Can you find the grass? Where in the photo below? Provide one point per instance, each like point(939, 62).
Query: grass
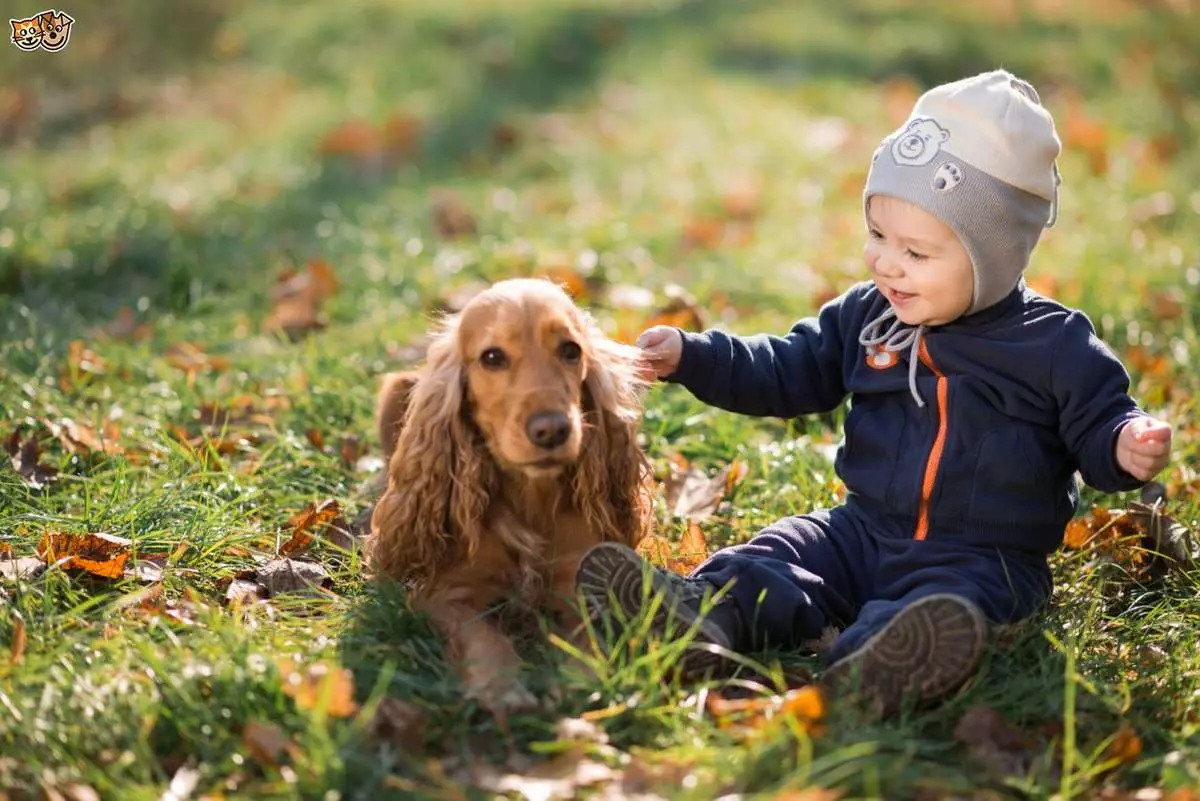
point(168, 162)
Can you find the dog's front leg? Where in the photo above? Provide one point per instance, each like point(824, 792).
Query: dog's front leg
point(485, 658)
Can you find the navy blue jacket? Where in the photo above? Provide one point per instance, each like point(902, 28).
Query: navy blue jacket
point(1018, 397)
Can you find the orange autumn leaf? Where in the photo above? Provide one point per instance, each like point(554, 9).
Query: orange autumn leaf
point(654, 549)
point(401, 133)
point(692, 550)
point(315, 436)
point(83, 439)
point(191, 358)
point(1087, 135)
point(449, 214)
point(806, 705)
point(25, 456)
point(265, 742)
point(1043, 284)
point(82, 361)
point(1167, 304)
point(100, 554)
point(703, 232)
point(1140, 360)
point(354, 137)
point(297, 298)
point(309, 523)
point(352, 449)
point(1126, 745)
point(126, 327)
point(319, 687)
point(571, 281)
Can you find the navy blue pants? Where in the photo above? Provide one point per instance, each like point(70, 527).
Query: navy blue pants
point(843, 569)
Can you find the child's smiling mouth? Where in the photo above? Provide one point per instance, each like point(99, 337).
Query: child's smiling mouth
point(899, 298)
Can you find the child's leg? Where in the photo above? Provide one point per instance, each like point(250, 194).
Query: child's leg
point(784, 587)
point(926, 628)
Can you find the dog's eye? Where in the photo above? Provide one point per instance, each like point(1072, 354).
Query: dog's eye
point(494, 358)
point(570, 352)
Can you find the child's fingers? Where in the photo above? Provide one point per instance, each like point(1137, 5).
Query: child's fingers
point(1153, 448)
point(1149, 430)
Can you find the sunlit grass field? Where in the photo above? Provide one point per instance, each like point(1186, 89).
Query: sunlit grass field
point(173, 174)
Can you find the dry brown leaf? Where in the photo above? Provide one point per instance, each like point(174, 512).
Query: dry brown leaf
point(1141, 361)
point(352, 449)
point(691, 494)
point(1167, 304)
point(265, 742)
point(1125, 747)
point(242, 592)
point(993, 742)
point(240, 410)
point(191, 359)
point(319, 687)
point(449, 213)
point(20, 567)
point(297, 298)
point(81, 362)
point(560, 777)
point(100, 554)
point(292, 575)
point(126, 328)
point(1088, 135)
point(355, 137)
point(747, 715)
point(84, 439)
point(401, 723)
point(312, 522)
point(25, 456)
point(16, 649)
point(808, 794)
point(314, 436)
point(703, 232)
point(654, 549)
point(401, 133)
point(692, 551)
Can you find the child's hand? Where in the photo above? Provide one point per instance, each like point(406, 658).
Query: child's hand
point(662, 348)
point(1143, 447)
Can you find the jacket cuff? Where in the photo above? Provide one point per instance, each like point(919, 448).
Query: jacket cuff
point(1105, 472)
point(695, 361)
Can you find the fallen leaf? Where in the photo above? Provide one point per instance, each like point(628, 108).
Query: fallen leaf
point(352, 449)
point(21, 567)
point(449, 213)
point(81, 362)
point(126, 328)
point(319, 687)
point(561, 777)
point(25, 457)
point(703, 232)
point(1167, 304)
point(16, 648)
point(265, 742)
point(401, 133)
point(995, 744)
point(314, 436)
point(654, 549)
point(692, 551)
point(242, 592)
point(1125, 747)
point(313, 521)
point(100, 554)
point(355, 137)
point(147, 568)
point(83, 439)
point(806, 705)
point(191, 359)
point(808, 794)
point(401, 723)
point(292, 575)
point(1087, 135)
point(297, 298)
point(691, 494)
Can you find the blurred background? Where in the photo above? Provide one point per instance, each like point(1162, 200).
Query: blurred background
point(177, 158)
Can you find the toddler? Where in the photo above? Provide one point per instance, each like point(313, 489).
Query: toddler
point(974, 401)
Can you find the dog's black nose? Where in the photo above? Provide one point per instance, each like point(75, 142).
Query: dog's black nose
point(548, 429)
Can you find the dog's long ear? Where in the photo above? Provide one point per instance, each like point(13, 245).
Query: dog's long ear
point(439, 479)
point(612, 485)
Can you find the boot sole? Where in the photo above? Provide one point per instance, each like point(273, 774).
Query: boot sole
point(613, 571)
point(926, 652)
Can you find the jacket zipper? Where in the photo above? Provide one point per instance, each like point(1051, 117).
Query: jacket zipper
point(939, 444)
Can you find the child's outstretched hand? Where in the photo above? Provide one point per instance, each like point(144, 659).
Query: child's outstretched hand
point(1143, 447)
point(662, 348)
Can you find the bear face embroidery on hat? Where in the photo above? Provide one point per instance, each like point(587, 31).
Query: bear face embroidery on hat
point(946, 177)
point(917, 144)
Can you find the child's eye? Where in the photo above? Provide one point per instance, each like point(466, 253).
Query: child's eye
point(912, 254)
point(874, 234)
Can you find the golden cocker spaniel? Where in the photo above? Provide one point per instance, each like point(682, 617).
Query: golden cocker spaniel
point(510, 453)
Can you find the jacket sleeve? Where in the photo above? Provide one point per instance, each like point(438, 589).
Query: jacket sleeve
point(1092, 390)
point(767, 375)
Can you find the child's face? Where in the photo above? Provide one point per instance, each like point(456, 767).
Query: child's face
point(917, 262)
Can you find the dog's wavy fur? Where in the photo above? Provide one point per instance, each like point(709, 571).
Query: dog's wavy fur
point(464, 520)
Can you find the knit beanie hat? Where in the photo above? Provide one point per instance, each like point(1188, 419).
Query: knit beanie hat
point(979, 154)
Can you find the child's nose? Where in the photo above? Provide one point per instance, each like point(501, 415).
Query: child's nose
point(887, 266)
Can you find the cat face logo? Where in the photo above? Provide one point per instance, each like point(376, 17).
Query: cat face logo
point(49, 30)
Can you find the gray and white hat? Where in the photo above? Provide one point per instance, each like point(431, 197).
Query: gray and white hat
point(979, 154)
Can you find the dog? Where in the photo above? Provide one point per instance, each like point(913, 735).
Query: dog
point(510, 453)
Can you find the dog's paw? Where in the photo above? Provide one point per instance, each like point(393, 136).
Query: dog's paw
point(503, 697)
